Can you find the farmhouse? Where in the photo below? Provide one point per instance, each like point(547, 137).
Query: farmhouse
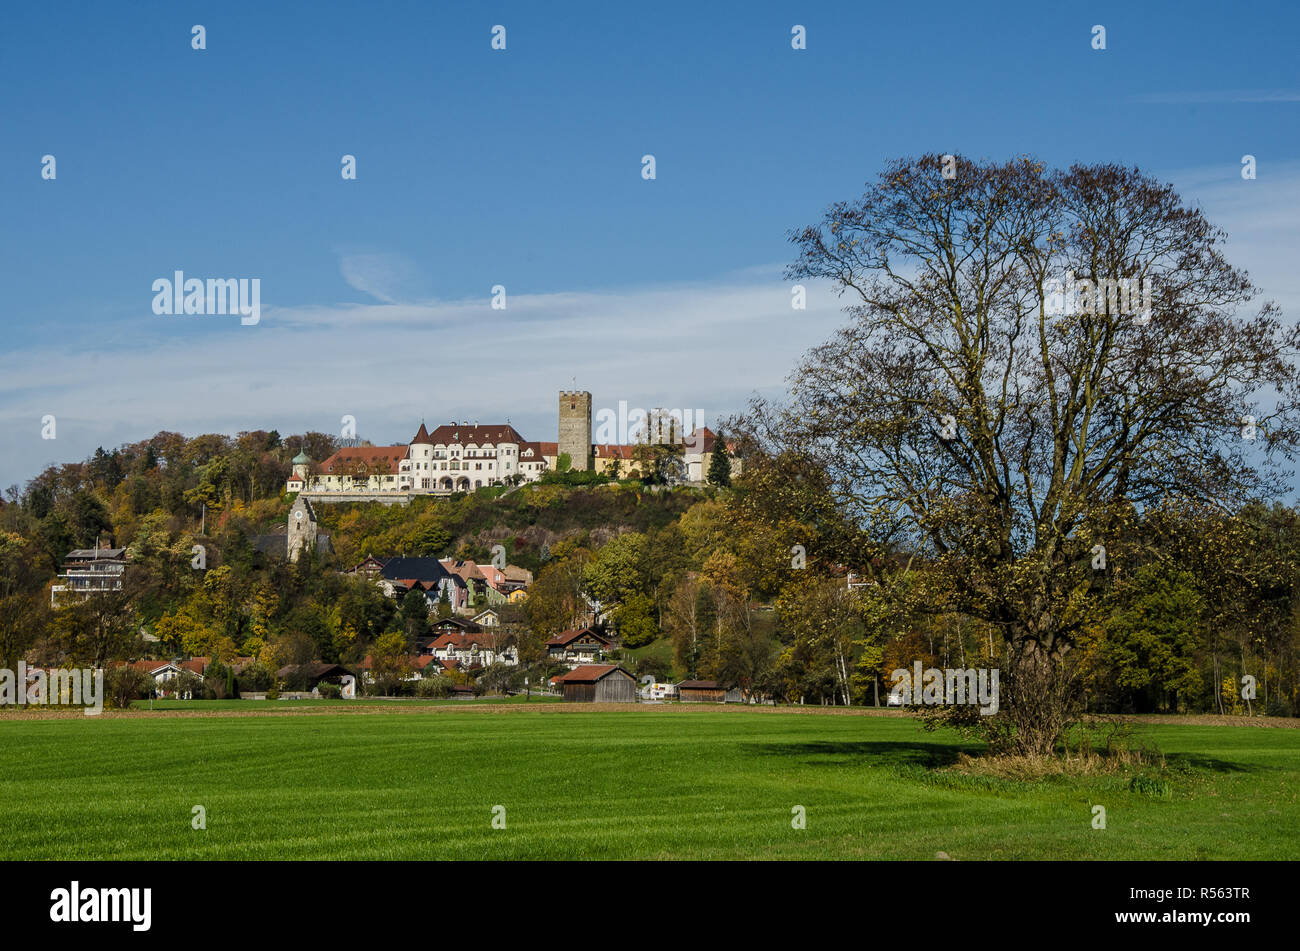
point(597, 683)
point(481, 649)
point(581, 646)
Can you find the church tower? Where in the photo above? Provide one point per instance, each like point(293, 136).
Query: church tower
point(302, 528)
point(575, 427)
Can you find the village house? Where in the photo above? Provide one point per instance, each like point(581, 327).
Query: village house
point(88, 572)
point(581, 646)
point(427, 575)
point(369, 567)
point(468, 585)
point(163, 672)
point(478, 580)
point(470, 650)
point(454, 625)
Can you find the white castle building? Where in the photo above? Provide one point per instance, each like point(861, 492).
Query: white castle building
point(459, 457)
point(455, 457)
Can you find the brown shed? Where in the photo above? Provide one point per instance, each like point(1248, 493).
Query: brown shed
point(701, 691)
point(598, 683)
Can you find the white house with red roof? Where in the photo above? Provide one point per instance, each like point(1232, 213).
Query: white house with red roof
point(474, 649)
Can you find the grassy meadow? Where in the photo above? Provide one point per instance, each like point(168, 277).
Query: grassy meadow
point(644, 783)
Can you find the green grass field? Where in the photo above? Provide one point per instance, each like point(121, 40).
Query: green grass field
point(635, 784)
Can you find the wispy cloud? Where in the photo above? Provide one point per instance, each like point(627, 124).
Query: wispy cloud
point(383, 276)
point(706, 346)
point(389, 363)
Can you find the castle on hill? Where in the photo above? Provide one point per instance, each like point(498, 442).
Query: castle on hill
point(459, 457)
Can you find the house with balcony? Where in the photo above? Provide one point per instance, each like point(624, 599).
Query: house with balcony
point(88, 572)
point(578, 647)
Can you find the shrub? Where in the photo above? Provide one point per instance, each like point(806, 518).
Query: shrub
point(433, 687)
point(124, 684)
point(256, 677)
point(218, 682)
point(184, 686)
point(575, 477)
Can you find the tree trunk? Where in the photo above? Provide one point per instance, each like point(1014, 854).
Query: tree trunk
point(1041, 695)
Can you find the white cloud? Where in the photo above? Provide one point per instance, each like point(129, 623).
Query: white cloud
point(705, 346)
point(382, 276)
point(702, 346)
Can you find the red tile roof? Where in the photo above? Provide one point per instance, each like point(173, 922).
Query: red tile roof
point(478, 435)
point(461, 641)
point(383, 460)
point(540, 450)
point(466, 569)
point(565, 637)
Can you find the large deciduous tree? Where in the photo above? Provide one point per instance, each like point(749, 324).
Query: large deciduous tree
point(998, 408)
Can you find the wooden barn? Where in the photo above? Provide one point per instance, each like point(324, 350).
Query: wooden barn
point(701, 691)
point(598, 683)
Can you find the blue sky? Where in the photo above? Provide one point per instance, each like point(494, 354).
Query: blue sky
point(522, 168)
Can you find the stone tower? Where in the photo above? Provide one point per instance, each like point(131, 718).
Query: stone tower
point(575, 427)
point(302, 528)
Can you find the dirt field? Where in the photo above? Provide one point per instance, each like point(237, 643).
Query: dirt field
point(257, 708)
